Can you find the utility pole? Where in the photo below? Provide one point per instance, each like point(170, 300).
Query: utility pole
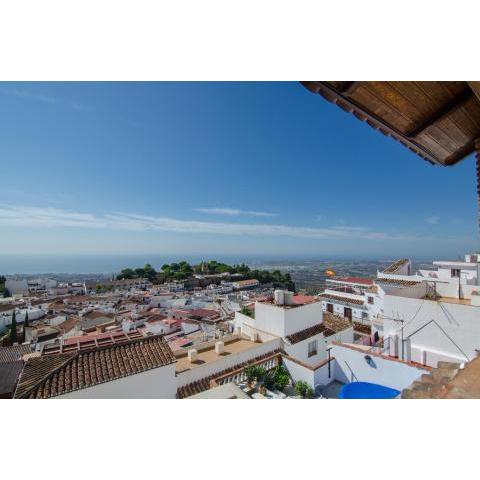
point(328, 350)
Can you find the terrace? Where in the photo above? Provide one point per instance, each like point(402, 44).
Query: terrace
point(209, 355)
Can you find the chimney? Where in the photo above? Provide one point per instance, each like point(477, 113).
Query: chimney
point(219, 348)
point(288, 298)
point(279, 297)
point(192, 355)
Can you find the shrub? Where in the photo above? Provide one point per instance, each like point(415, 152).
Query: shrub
point(255, 372)
point(303, 388)
point(250, 373)
point(281, 381)
point(269, 380)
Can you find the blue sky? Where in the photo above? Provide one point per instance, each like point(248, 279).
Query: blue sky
point(216, 168)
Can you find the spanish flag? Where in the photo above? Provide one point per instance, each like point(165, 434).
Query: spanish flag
point(330, 273)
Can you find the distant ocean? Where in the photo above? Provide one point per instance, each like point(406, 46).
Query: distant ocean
point(31, 264)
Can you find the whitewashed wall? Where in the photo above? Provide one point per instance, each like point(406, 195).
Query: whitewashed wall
point(352, 365)
point(156, 383)
point(460, 322)
point(285, 321)
point(299, 372)
point(300, 350)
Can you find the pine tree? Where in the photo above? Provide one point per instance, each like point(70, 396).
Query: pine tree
point(25, 323)
point(13, 329)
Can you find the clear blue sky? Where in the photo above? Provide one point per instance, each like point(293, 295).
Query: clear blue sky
point(216, 168)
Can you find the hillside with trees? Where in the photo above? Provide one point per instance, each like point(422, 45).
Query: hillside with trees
point(180, 271)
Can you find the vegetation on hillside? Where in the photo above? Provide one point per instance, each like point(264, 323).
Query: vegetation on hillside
point(183, 270)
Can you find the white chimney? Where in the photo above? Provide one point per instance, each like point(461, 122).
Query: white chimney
point(219, 348)
point(192, 355)
point(279, 297)
point(288, 298)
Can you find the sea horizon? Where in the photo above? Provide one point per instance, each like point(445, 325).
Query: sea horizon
point(114, 263)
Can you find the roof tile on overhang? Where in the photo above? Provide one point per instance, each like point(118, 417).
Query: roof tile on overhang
point(354, 301)
point(395, 266)
point(52, 375)
point(397, 281)
point(335, 322)
point(330, 325)
point(309, 332)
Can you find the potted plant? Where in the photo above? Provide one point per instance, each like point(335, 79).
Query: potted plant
point(250, 373)
point(304, 389)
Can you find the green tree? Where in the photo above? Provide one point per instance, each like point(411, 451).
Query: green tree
point(126, 274)
point(246, 311)
point(13, 329)
point(281, 377)
point(25, 322)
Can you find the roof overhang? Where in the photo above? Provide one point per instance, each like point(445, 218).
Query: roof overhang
point(439, 121)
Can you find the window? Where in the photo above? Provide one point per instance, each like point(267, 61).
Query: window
point(364, 315)
point(455, 272)
point(312, 348)
point(370, 300)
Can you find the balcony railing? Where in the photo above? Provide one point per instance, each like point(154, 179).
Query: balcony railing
point(238, 376)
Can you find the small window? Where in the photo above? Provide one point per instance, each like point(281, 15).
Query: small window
point(312, 348)
point(455, 272)
point(370, 300)
point(364, 315)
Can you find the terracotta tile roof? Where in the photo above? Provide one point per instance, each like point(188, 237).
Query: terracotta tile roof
point(395, 265)
point(335, 323)
point(68, 324)
point(399, 282)
point(361, 328)
point(304, 299)
point(9, 373)
point(94, 314)
point(203, 313)
point(309, 332)
point(52, 375)
point(361, 280)
point(354, 301)
point(38, 369)
point(82, 343)
point(14, 353)
point(445, 381)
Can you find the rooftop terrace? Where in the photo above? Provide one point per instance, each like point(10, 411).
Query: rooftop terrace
point(208, 355)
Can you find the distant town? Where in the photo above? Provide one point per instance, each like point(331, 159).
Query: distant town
point(213, 330)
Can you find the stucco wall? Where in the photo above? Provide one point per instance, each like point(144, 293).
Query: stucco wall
point(285, 321)
point(299, 372)
point(460, 322)
point(352, 365)
point(156, 383)
point(300, 350)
